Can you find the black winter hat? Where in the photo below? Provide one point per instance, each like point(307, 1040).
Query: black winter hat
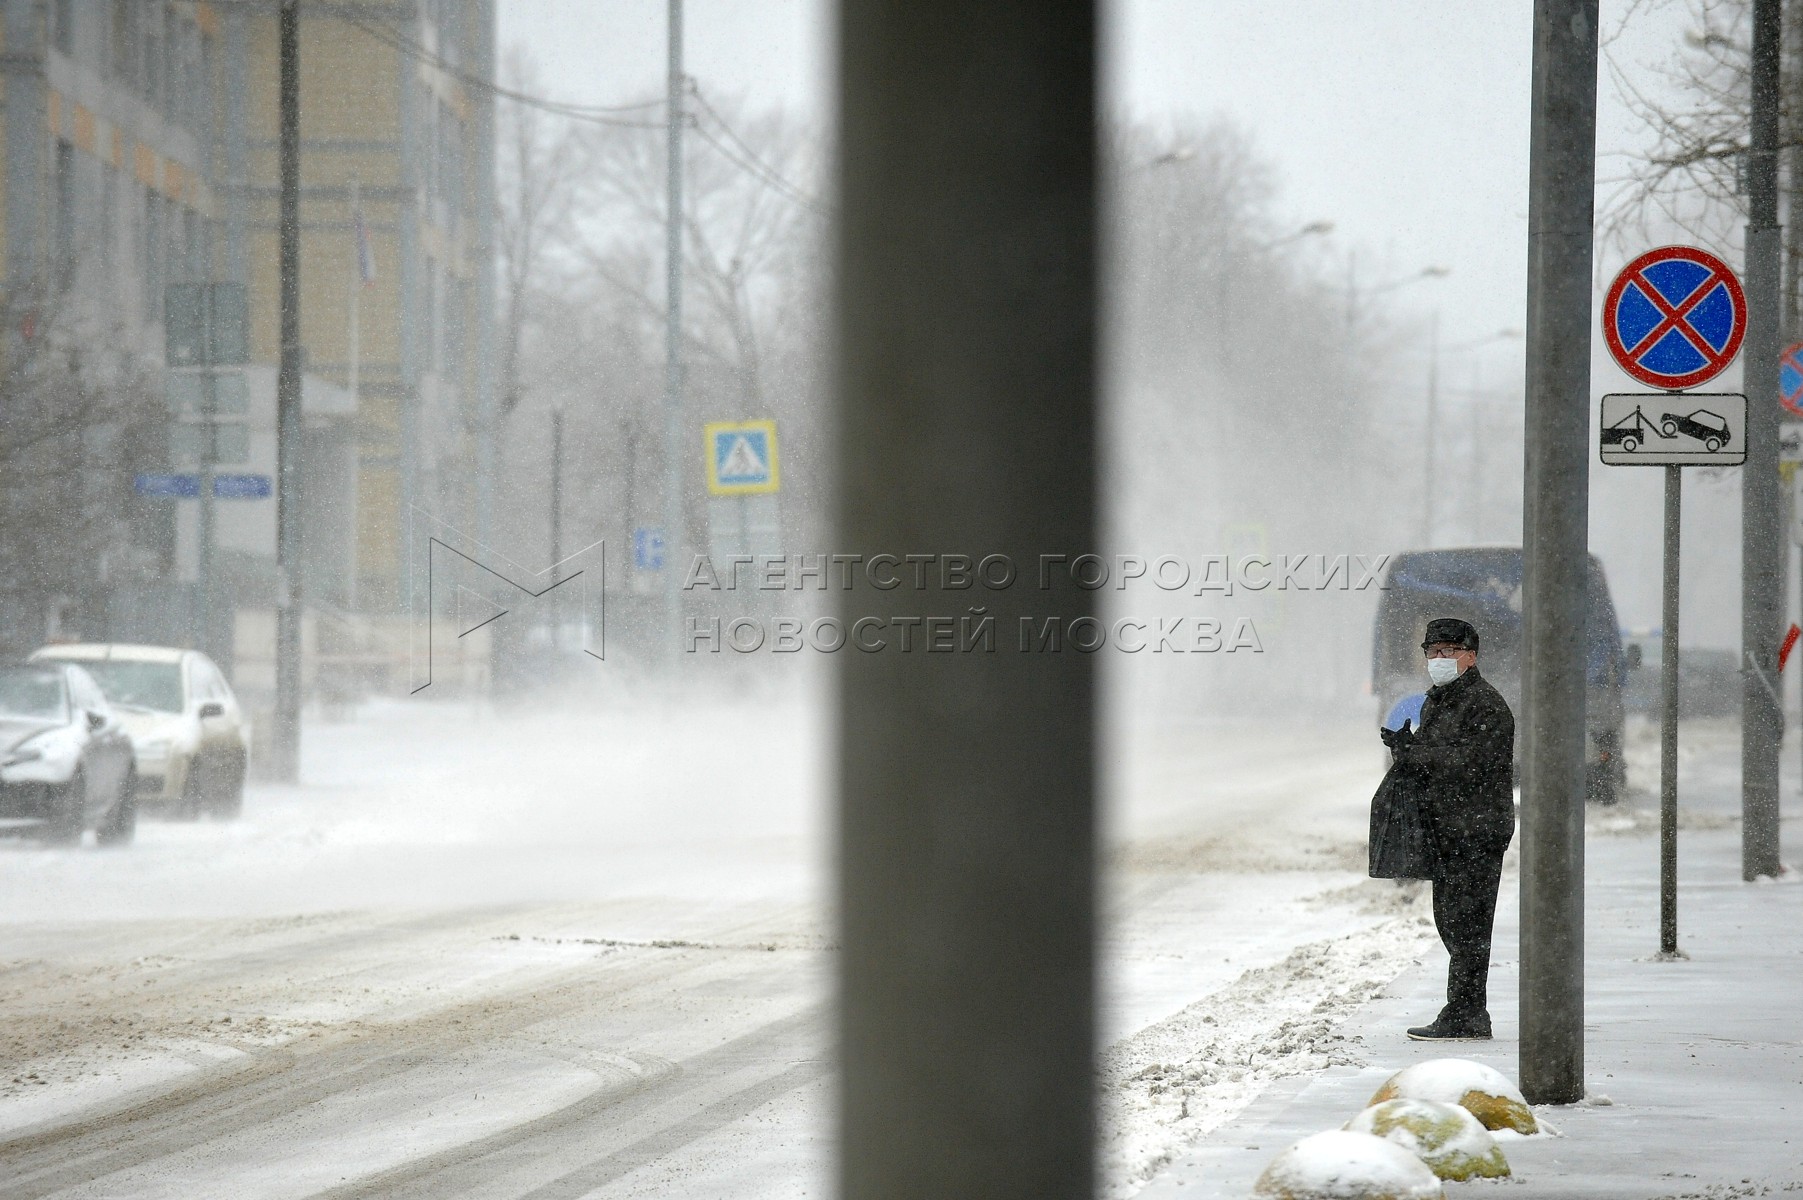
point(1452, 631)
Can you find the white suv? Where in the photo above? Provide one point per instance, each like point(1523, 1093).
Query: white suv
point(189, 736)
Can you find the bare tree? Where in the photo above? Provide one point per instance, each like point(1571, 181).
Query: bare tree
point(78, 420)
point(586, 312)
point(1243, 413)
point(1697, 113)
point(536, 169)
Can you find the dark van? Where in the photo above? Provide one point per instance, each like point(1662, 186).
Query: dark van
point(1483, 586)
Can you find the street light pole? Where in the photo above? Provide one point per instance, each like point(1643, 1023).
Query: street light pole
point(556, 521)
point(286, 755)
point(1761, 555)
point(673, 539)
point(1555, 548)
point(1230, 259)
point(1352, 289)
point(1433, 420)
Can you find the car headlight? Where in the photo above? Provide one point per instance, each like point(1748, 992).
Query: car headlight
point(54, 746)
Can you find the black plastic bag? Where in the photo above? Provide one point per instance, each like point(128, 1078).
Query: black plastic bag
point(1402, 841)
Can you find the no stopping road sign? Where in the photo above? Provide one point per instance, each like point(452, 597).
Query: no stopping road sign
point(1675, 317)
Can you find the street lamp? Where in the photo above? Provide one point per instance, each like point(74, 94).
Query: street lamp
point(1312, 229)
point(1352, 288)
point(1433, 413)
point(1230, 258)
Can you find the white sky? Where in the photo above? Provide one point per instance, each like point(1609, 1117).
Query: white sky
point(1405, 122)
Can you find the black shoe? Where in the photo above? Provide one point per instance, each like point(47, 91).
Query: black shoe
point(1447, 1030)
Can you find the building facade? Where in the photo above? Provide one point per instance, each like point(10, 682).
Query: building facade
point(140, 151)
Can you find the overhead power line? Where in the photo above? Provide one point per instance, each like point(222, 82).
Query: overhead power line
point(598, 114)
point(733, 148)
point(747, 159)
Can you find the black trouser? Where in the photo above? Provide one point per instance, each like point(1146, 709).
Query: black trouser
point(1464, 911)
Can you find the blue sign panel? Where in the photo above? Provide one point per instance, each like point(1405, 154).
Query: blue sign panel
point(741, 457)
point(242, 487)
point(167, 485)
point(648, 549)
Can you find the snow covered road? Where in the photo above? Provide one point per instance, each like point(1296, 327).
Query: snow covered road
point(588, 953)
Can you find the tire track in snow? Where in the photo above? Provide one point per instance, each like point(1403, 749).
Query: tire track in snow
point(272, 1084)
point(505, 1161)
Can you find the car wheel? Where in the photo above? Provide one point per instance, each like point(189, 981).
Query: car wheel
point(193, 797)
point(1630, 444)
point(1712, 445)
point(66, 823)
point(227, 799)
point(121, 824)
point(1669, 428)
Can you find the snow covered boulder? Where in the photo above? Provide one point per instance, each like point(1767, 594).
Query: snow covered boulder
point(1484, 1092)
point(1338, 1165)
point(1447, 1138)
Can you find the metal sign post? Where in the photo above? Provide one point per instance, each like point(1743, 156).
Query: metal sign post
point(206, 326)
point(1674, 318)
point(1673, 430)
point(1668, 723)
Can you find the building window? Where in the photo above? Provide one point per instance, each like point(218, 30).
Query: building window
point(195, 91)
point(109, 216)
point(153, 58)
point(457, 294)
point(202, 87)
point(63, 13)
point(174, 84)
point(123, 39)
point(194, 236)
point(65, 215)
point(431, 330)
point(153, 256)
point(450, 161)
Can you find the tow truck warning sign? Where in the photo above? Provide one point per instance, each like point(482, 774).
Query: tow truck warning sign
point(1674, 429)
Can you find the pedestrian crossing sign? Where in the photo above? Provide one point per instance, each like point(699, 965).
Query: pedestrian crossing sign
point(741, 457)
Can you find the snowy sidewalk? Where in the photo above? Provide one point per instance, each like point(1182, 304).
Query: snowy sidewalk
point(1701, 1062)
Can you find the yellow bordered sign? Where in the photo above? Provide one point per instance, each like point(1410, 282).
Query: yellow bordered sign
point(741, 457)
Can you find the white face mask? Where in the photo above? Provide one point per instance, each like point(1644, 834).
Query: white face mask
point(1442, 670)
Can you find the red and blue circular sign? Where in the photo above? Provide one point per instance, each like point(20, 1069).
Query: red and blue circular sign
point(1675, 317)
point(1790, 380)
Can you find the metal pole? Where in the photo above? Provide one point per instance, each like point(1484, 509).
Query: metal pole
point(673, 442)
point(355, 381)
point(967, 780)
point(1762, 546)
point(354, 333)
point(556, 521)
point(209, 407)
point(1556, 502)
point(1793, 247)
point(1477, 455)
point(1668, 722)
point(285, 757)
point(1433, 432)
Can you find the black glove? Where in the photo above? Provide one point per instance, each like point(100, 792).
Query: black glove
point(1398, 739)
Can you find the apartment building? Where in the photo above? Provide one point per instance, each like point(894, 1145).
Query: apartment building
point(140, 151)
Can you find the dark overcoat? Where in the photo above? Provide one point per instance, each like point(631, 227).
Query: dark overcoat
point(1464, 759)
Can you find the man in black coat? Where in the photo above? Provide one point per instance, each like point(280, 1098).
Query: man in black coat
point(1464, 757)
